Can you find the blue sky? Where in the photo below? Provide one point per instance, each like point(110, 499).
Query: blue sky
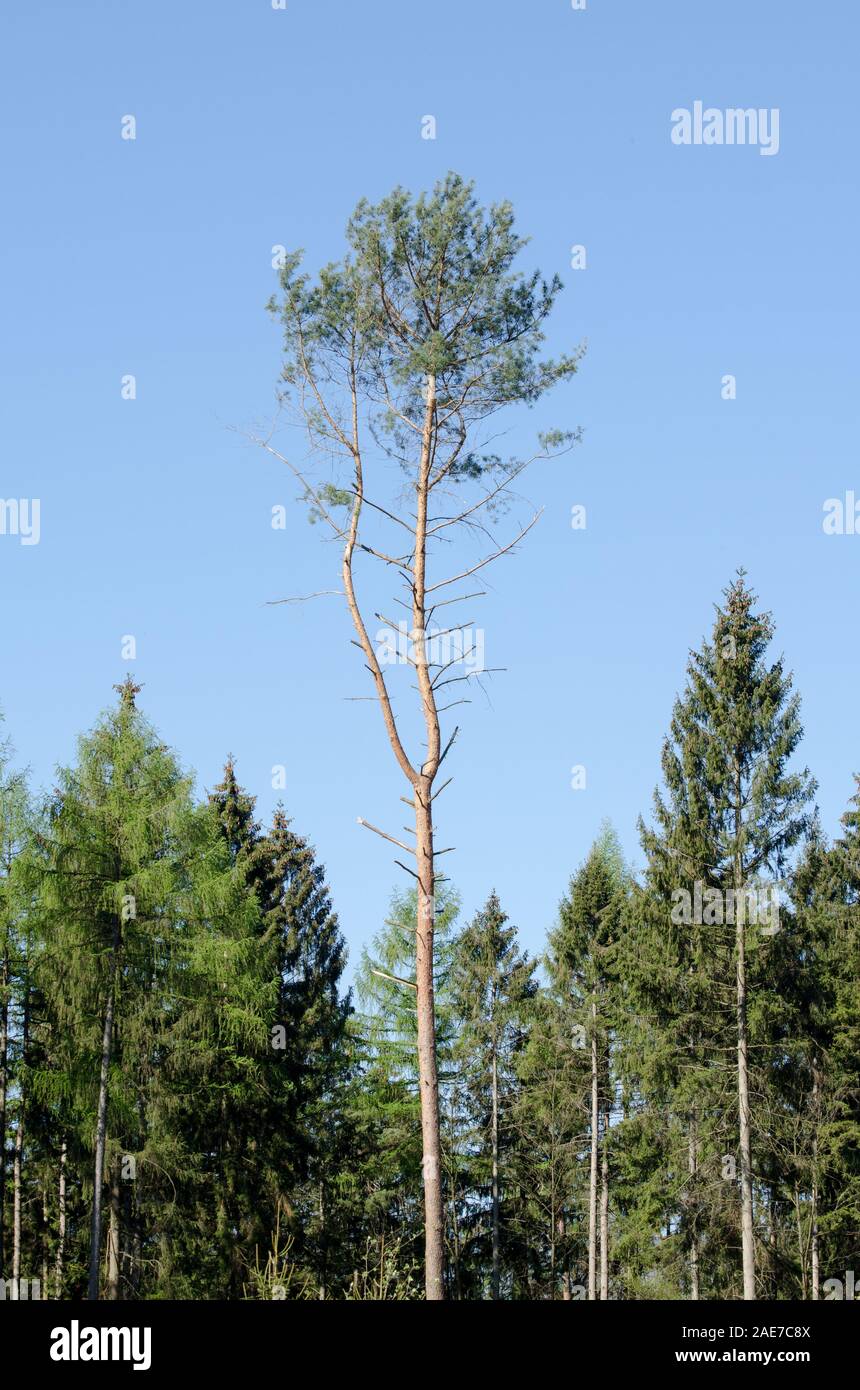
point(153, 257)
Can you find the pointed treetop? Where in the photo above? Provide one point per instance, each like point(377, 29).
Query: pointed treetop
point(127, 691)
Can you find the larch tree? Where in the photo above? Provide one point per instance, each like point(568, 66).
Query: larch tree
point(403, 353)
point(107, 872)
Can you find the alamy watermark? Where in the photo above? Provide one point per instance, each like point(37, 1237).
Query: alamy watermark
point(842, 516)
point(21, 517)
point(736, 125)
point(459, 646)
point(755, 904)
point(838, 1289)
point(20, 1289)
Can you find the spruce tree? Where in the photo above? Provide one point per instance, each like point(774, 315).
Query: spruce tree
point(725, 826)
point(822, 1083)
point(267, 1076)
point(581, 965)
point(492, 984)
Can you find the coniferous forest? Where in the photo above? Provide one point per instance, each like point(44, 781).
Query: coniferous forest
point(195, 1107)
point(236, 1065)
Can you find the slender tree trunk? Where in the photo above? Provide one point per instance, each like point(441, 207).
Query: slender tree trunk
point(113, 1251)
point(61, 1222)
point(4, 1053)
point(136, 1250)
point(455, 1218)
point(814, 1253)
point(592, 1186)
point(44, 1241)
point(427, 1071)
point(745, 1143)
point(565, 1269)
point(604, 1210)
point(692, 1169)
point(101, 1123)
point(455, 1239)
point(323, 1244)
point(747, 1237)
point(421, 781)
point(17, 1175)
point(495, 1177)
point(802, 1247)
point(18, 1162)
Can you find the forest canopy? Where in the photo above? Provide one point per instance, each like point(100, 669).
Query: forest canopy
point(664, 1104)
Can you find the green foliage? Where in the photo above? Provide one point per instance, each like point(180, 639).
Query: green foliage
point(263, 1140)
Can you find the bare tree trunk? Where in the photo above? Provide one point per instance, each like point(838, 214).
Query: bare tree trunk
point(17, 1174)
point(604, 1210)
point(592, 1187)
point(113, 1238)
point(565, 1269)
point(745, 1143)
point(427, 1072)
point(692, 1168)
point(495, 1177)
point(136, 1251)
point(44, 1242)
point(747, 1237)
point(801, 1244)
point(4, 1054)
point(101, 1124)
point(454, 1186)
point(61, 1222)
point(323, 1244)
point(455, 1237)
point(816, 1274)
point(18, 1162)
point(421, 781)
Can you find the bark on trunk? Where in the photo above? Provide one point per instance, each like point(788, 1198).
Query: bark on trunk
point(44, 1242)
point(18, 1162)
point(323, 1245)
point(113, 1251)
point(61, 1223)
point(101, 1123)
point(604, 1210)
point(427, 1072)
point(692, 1169)
point(565, 1269)
point(17, 1174)
point(495, 1178)
point(745, 1144)
point(814, 1252)
point(421, 781)
point(592, 1187)
point(4, 1052)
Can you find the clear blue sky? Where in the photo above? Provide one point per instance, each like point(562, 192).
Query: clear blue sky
point(152, 257)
